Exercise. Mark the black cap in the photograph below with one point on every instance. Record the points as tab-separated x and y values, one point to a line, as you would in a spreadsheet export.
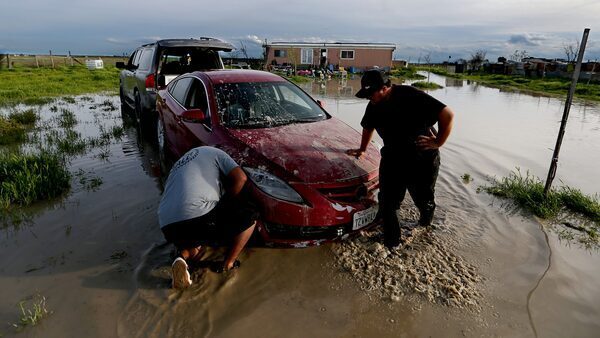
371	81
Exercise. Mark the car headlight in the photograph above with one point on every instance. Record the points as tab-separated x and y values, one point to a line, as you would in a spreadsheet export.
273	185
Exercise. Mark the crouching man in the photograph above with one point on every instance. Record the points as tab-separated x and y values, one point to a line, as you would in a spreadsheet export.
202	202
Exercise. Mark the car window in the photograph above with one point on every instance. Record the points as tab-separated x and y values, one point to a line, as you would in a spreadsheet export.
196	98
265	104
146	59
180	89
132	58
136	58
182	60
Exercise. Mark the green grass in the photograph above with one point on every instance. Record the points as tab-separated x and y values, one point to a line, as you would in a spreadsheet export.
27	178
549	85
67	118
40	85
426	85
409	73
575	200
11	131
466	178
32	312
528	192
27	117
14	128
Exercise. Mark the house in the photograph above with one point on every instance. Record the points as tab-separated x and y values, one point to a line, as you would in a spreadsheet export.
354	57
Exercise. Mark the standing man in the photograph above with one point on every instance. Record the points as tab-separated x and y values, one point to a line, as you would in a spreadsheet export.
404	117
202	202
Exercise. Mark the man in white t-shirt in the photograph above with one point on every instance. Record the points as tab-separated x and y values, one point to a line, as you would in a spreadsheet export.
201	202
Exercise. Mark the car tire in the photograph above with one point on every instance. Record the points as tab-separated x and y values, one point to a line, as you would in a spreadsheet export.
162	144
138	108
125	109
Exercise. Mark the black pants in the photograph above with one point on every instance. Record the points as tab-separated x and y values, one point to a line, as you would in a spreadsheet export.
228	219
399	171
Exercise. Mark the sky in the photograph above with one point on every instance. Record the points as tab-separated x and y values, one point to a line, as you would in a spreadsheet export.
443	30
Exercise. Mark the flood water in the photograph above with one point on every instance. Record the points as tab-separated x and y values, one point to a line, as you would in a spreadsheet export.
99	258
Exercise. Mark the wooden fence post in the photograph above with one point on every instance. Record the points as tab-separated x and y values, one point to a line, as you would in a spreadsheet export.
563	124
37	64
51	59
8	61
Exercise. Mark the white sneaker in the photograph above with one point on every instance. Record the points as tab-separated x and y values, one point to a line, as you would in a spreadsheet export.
180	274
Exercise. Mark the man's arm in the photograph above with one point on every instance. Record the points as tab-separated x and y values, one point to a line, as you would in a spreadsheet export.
235	181
431	141
367	135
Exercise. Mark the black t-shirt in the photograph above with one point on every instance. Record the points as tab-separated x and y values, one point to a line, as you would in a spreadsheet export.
407	113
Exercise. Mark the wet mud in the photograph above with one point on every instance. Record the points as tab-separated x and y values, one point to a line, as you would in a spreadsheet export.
424	267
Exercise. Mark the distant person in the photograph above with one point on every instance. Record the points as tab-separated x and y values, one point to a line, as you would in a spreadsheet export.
404	118
202	202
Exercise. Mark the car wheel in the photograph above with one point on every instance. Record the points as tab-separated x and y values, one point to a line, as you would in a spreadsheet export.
138	107
125	110
161	141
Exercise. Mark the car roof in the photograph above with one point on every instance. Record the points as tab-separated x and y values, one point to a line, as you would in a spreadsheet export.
241	75
202	42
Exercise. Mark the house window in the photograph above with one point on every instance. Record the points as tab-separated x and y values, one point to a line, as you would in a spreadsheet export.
280	53
347	54
306	56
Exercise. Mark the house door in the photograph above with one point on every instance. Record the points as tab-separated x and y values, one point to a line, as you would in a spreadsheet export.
323	58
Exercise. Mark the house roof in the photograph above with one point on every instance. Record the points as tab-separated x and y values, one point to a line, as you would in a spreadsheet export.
359	45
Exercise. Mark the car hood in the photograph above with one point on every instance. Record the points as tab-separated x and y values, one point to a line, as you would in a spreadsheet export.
311	152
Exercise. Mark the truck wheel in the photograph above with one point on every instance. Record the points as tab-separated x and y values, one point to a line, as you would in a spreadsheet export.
138	108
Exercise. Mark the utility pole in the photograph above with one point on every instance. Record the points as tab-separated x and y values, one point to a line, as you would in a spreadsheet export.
563	124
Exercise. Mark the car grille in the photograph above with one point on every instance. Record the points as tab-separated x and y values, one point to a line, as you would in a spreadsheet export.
351	193
281	231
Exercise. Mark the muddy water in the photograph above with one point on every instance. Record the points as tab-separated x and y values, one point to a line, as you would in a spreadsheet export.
98	256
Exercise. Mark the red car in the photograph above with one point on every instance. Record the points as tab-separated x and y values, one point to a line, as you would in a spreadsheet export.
307	188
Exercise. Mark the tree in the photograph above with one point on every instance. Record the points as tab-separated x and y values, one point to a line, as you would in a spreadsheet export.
519	55
427	59
243	50
571	50
477	59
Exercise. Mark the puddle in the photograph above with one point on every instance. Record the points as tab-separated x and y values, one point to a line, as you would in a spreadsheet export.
99	258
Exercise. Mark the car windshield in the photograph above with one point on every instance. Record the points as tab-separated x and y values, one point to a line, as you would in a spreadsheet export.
265	104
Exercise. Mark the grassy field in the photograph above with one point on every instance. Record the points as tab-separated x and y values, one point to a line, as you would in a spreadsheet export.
38	85
548	86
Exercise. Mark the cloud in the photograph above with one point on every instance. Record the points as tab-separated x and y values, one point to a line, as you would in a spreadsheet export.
254	39
527	40
118	41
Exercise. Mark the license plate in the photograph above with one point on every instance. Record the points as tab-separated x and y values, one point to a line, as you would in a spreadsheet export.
364	217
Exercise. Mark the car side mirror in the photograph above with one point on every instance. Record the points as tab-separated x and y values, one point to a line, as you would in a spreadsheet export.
120	65
161	82
194	116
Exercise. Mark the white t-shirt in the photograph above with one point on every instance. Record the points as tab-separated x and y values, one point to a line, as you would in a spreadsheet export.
194	185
